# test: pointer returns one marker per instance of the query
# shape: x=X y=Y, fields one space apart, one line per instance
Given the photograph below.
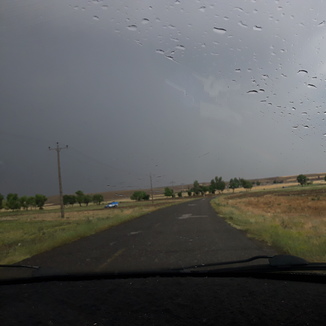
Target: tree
x=87 y=199
x=139 y=195
x=168 y=192
x=189 y=193
x=97 y=199
x=69 y=200
x=212 y=187
x=180 y=194
x=23 y=202
x=196 y=187
x=302 y=179
x=31 y=201
x=13 y=201
x=219 y=184
x=234 y=183
x=66 y=199
x=246 y=184
x=1 y=201
x=79 y=197
x=40 y=200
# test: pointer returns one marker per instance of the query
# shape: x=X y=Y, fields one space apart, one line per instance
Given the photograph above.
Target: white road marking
x=135 y=232
x=184 y=216
x=118 y=253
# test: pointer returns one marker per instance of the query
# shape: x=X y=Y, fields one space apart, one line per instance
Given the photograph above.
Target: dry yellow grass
x=293 y=221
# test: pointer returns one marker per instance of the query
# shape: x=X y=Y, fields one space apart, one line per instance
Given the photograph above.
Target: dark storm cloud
x=149 y=87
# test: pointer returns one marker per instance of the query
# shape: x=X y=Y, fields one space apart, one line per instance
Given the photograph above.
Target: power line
x=58 y=149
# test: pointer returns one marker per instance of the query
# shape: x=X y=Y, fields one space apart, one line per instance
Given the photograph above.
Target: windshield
x=214 y=113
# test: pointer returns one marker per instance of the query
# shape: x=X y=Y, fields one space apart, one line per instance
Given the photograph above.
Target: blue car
x=112 y=204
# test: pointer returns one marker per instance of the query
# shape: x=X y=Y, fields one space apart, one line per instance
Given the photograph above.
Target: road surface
x=182 y=235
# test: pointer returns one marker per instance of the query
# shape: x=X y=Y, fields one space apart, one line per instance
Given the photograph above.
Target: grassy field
x=293 y=219
x=26 y=233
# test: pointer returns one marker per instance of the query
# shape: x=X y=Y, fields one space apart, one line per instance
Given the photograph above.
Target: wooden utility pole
x=58 y=149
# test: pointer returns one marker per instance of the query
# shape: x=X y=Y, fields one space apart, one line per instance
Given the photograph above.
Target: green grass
x=25 y=235
x=287 y=236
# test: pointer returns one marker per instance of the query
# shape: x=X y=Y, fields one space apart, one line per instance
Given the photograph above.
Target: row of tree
x=216 y=185
x=14 y=202
x=82 y=198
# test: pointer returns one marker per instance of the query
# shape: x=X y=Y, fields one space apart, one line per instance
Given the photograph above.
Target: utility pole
x=150 y=179
x=58 y=149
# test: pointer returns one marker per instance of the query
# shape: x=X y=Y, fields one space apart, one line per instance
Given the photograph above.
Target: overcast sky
x=183 y=90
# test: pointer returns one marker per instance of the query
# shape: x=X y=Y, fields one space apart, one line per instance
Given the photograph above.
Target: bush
x=139 y=195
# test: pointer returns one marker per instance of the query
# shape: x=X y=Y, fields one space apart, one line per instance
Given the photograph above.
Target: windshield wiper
x=275 y=261
x=20 y=266
x=280 y=267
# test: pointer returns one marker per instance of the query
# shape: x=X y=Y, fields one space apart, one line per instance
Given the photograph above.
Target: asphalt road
x=182 y=235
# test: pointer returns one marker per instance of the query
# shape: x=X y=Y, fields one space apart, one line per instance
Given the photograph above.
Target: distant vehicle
x=112 y=204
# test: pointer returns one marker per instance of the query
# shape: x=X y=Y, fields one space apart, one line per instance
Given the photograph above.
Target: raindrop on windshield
x=242 y=24
x=306 y=126
x=253 y=91
x=132 y=28
x=180 y=47
x=160 y=51
x=202 y=8
x=96 y=17
x=145 y=21
x=312 y=86
x=257 y=28
x=302 y=71
x=238 y=70
x=219 y=30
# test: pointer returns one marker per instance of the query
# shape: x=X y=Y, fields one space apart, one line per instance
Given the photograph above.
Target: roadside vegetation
x=26 y=233
x=292 y=220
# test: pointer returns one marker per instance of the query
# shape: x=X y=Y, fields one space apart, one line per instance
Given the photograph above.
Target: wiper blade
x=20 y=266
x=275 y=261
x=280 y=267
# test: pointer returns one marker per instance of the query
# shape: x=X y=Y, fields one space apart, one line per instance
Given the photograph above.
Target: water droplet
x=105 y=7
x=132 y=28
x=253 y=91
x=265 y=76
x=304 y=113
x=219 y=30
x=180 y=47
x=293 y=108
x=257 y=28
x=324 y=134
x=242 y=24
x=312 y=86
x=295 y=127
x=322 y=23
x=284 y=75
x=96 y=17
x=170 y=57
x=261 y=90
x=160 y=51
x=202 y=8
x=306 y=126
x=145 y=21
x=238 y=70
x=302 y=71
